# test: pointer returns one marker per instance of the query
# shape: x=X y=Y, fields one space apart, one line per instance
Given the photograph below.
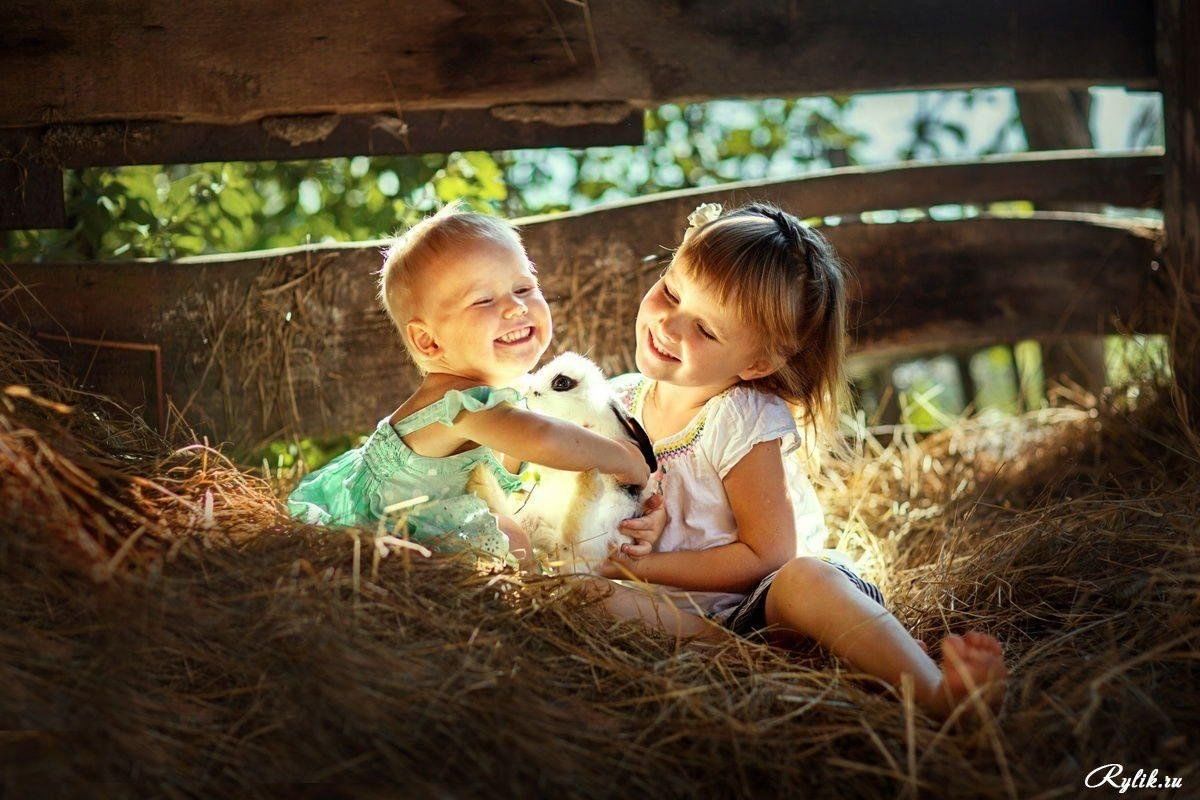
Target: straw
x=165 y=628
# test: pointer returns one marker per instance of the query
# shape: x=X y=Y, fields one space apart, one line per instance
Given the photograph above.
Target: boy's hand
x=644 y=530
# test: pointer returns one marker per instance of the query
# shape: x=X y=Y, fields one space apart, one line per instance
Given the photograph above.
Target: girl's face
x=481 y=314
x=686 y=337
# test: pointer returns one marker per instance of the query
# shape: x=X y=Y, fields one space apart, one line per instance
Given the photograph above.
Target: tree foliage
x=167 y=212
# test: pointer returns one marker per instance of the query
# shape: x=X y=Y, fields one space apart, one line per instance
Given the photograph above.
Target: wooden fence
x=292 y=341
x=260 y=345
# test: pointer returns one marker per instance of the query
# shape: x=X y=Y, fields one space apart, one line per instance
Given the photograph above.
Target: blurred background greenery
x=166 y=212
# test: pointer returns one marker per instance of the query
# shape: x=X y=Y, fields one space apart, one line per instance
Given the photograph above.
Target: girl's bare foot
x=970 y=662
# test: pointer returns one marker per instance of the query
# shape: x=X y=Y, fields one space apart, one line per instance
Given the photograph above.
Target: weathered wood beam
x=189 y=61
x=293 y=342
x=992 y=279
x=324 y=136
x=1075 y=176
x=1179 y=69
x=32 y=159
x=31 y=194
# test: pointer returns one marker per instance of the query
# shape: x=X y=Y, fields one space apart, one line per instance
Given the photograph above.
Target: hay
x=291 y=350
x=165 y=630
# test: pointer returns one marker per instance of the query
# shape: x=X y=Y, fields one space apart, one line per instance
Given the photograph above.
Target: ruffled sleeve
x=745 y=418
x=456 y=401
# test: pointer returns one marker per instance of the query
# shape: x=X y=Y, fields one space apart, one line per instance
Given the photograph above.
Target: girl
x=465 y=298
x=748 y=318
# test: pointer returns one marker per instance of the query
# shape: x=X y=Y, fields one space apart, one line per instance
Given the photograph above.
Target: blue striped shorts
x=750 y=616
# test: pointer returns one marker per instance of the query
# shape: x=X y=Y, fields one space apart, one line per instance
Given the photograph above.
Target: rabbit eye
x=562 y=383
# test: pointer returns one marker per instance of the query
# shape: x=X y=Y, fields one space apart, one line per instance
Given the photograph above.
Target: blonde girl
x=745 y=325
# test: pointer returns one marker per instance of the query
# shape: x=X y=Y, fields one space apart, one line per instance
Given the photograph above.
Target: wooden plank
x=129 y=372
x=326 y=136
x=1075 y=176
x=31 y=194
x=227 y=63
x=984 y=280
x=31 y=159
x=294 y=342
x=1179 y=66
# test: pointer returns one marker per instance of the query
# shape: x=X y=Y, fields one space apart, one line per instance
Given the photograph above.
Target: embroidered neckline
x=685 y=437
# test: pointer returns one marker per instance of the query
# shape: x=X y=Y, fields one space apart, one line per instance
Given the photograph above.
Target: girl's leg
x=656 y=611
x=814 y=599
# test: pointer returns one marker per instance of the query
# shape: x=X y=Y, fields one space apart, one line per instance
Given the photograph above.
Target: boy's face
x=687 y=338
x=479 y=313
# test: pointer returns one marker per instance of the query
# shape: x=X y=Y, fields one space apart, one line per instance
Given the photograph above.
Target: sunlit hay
x=289 y=348
x=590 y=307
x=165 y=630
x=78 y=467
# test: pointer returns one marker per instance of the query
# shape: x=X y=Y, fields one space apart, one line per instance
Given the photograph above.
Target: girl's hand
x=646 y=529
x=618 y=567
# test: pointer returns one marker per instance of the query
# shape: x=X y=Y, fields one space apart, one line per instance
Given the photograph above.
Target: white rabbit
x=575 y=513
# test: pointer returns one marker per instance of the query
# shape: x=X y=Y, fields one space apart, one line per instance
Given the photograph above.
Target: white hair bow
x=704 y=214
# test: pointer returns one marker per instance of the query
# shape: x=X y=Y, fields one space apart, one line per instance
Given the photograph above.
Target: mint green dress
x=358 y=486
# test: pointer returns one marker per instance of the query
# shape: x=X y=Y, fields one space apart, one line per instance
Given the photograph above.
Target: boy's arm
x=527 y=436
x=757 y=491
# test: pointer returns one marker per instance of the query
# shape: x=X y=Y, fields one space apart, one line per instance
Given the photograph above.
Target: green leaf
x=234 y=203
x=138 y=211
x=181 y=189
x=451 y=187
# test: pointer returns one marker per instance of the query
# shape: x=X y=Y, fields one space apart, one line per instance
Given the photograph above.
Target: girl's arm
x=757 y=491
x=528 y=436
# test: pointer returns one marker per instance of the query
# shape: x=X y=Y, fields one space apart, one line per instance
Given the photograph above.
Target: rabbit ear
x=637 y=433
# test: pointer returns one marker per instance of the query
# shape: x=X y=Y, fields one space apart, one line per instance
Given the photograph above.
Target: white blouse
x=695 y=461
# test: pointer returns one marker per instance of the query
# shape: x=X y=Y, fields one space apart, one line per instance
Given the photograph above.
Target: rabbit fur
x=574 y=515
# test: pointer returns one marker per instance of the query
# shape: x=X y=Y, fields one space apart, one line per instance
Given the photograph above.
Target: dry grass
x=164 y=630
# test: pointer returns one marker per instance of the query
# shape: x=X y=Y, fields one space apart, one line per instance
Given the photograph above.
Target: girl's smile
x=686 y=337
x=517 y=337
x=658 y=350
x=483 y=317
